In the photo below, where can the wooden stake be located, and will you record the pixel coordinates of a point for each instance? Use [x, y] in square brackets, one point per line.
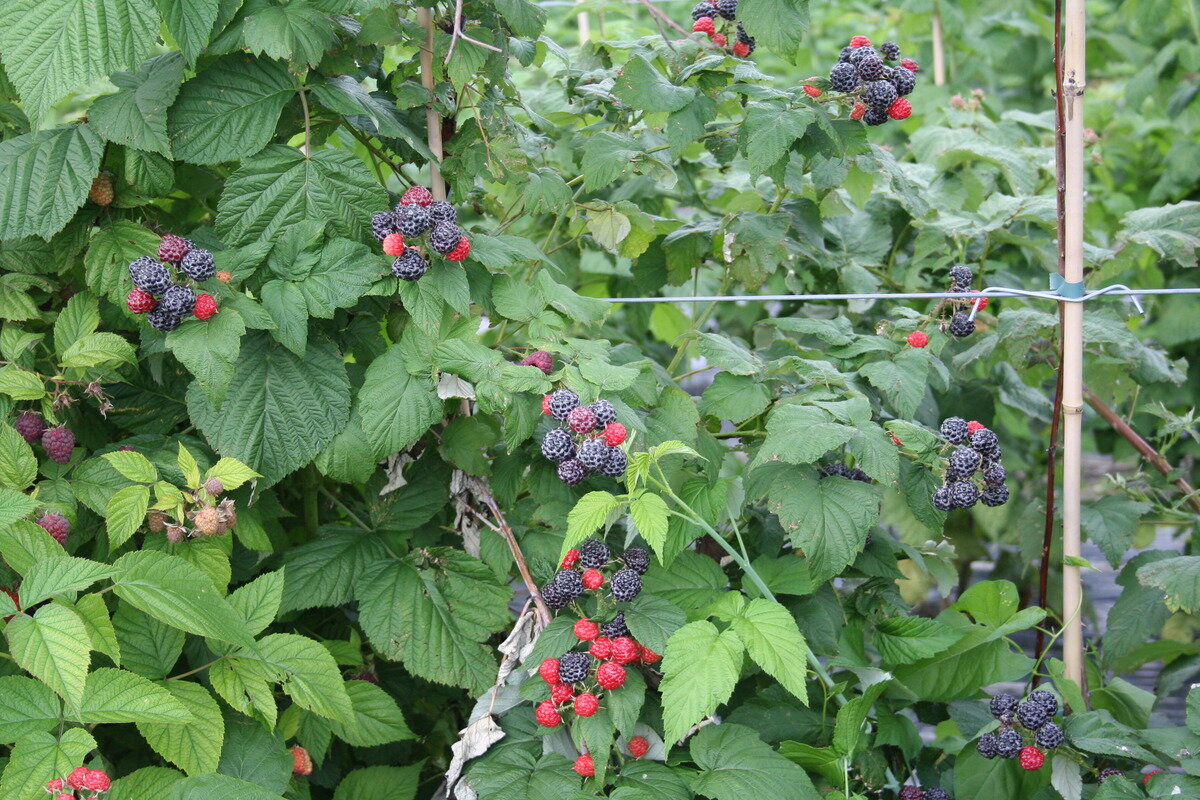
[433, 121]
[939, 51]
[1071, 87]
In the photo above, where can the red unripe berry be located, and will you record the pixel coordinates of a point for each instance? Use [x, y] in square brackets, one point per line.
[910, 65]
[173, 248]
[98, 781]
[57, 526]
[741, 49]
[417, 195]
[549, 671]
[614, 434]
[581, 420]
[55, 785]
[896, 441]
[140, 302]
[78, 778]
[1031, 758]
[601, 647]
[859, 110]
[625, 650]
[584, 766]
[16, 598]
[206, 306]
[547, 715]
[31, 426]
[393, 244]
[900, 108]
[974, 425]
[719, 39]
[586, 704]
[812, 91]
[586, 630]
[546, 407]
[593, 579]
[704, 25]
[859, 41]
[610, 675]
[461, 250]
[983, 301]
[570, 558]
[65, 796]
[638, 746]
[648, 656]
[1146, 778]
[301, 762]
[58, 443]
[561, 693]
[918, 339]
[540, 359]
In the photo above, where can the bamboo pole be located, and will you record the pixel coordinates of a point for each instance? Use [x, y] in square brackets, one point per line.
[433, 121]
[1071, 89]
[939, 50]
[585, 28]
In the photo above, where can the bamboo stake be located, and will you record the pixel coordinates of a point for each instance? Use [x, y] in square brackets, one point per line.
[1071, 87]
[939, 50]
[433, 122]
[585, 28]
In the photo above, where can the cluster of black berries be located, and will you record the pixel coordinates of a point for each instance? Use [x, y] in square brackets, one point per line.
[590, 442]
[980, 455]
[917, 793]
[842, 471]
[416, 215]
[1035, 715]
[705, 16]
[961, 324]
[592, 558]
[879, 86]
[159, 296]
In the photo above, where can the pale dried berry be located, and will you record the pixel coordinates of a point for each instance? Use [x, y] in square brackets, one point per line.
[58, 443]
[557, 445]
[198, 264]
[1003, 705]
[57, 526]
[637, 559]
[987, 746]
[561, 402]
[413, 221]
[616, 628]
[207, 522]
[150, 276]
[605, 412]
[445, 237]
[593, 453]
[954, 430]
[173, 248]
[410, 266]
[163, 320]
[616, 464]
[31, 426]
[581, 420]
[178, 300]
[941, 499]
[1049, 736]
[383, 225]
[594, 554]
[994, 496]
[1008, 743]
[572, 472]
[964, 494]
[963, 463]
[441, 211]
[625, 585]
[574, 667]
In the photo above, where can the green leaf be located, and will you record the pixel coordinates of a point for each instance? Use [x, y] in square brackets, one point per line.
[736, 398]
[327, 570]
[801, 434]
[903, 640]
[377, 718]
[827, 518]
[77, 320]
[136, 116]
[133, 465]
[23, 544]
[1111, 522]
[195, 747]
[107, 259]
[652, 620]
[38, 757]
[258, 601]
[256, 754]
[18, 465]
[148, 647]
[876, 454]
[243, 684]
[103, 637]
[1179, 579]
[296, 32]
[380, 783]
[343, 94]
[996, 779]
[281, 410]
[47, 646]
[770, 131]
[736, 764]
[21, 384]
[649, 513]
[1170, 230]
[26, 706]
[209, 350]
[53, 47]
[515, 772]
[115, 695]
[217, 787]
[143, 783]
[46, 176]
[773, 640]
[639, 85]
[98, 348]
[46, 579]
[191, 23]
[396, 408]
[229, 110]
[167, 588]
[307, 673]
[848, 733]
[903, 380]
[590, 512]
[125, 514]
[188, 466]
[700, 669]
[231, 473]
[280, 187]
[727, 355]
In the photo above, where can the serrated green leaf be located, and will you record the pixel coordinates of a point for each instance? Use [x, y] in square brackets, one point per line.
[26, 706]
[125, 513]
[256, 754]
[191, 22]
[769, 131]
[649, 513]
[45, 176]
[46, 579]
[209, 349]
[307, 673]
[148, 647]
[652, 620]
[115, 695]
[296, 32]
[103, 637]
[78, 319]
[639, 85]
[243, 684]
[38, 757]
[195, 747]
[700, 669]
[143, 783]
[22, 543]
[229, 110]
[903, 640]
[258, 601]
[231, 473]
[326, 571]
[827, 518]
[377, 718]
[515, 772]
[773, 640]
[801, 434]
[589, 513]
[188, 466]
[106, 263]
[98, 348]
[382, 783]
[396, 408]
[735, 764]
[848, 733]
[903, 380]
[218, 787]
[133, 465]
[47, 646]
[18, 465]
[136, 116]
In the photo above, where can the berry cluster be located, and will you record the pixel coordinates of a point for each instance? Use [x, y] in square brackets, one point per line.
[81, 783]
[207, 516]
[841, 470]
[976, 451]
[1035, 716]
[879, 88]
[101, 192]
[961, 324]
[417, 215]
[583, 569]
[166, 298]
[708, 14]
[58, 442]
[590, 442]
[911, 792]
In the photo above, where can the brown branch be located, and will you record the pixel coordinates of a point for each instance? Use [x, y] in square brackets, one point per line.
[656, 12]
[1142, 446]
[457, 33]
[1048, 530]
[544, 615]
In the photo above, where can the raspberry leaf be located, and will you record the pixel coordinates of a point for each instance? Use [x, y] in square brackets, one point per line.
[735, 763]
[18, 465]
[828, 518]
[48, 176]
[396, 408]
[380, 782]
[773, 640]
[700, 669]
[799, 434]
[26, 706]
[377, 720]
[515, 772]
[209, 350]
[296, 32]
[115, 695]
[38, 757]
[640, 85]
[652, 620]
[136, 116]
[57, 576]
[195, 747]
[46, 645]
[190, 22]
[307, 673]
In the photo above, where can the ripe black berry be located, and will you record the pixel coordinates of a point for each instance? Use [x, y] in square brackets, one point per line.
[198, 264]
[572, 472]
[1003, 705]
[857, 54]
[616, 628]
[441, 211]
[985, 442]
[701, 9]
[178, 300]
[1109, 772]
[942, 500]
[963, 463]
[964, 494]
[592, 453]
[445, 237]
[616, 464]
[557, 445]
[561, 403]
[574, 667]
[937, 793]
[903, 80]
[594, 554]
[626, 585]
[987, 745]
[554, 596]
[1032, 715]
[890, 51]
[1049, 736]
[843, 77]
[871, 68]
[163, 320]
[994, 496]
[879, 95]
[961, 325]
[604, 411]
[150, 276]
[383, 224]
[875, 116]
[727, 8]
[569, 582]
[746, 38]
[994, 474]
[410, 266]
[961, 277]
[1009, 743]
[413, 221]
[954, 430]
[637, 559]
[1046, 700]
[838, 470]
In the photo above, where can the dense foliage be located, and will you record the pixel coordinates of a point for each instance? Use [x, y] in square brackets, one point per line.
[292, 524]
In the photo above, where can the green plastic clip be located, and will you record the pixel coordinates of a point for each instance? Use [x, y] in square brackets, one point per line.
[1066, 288]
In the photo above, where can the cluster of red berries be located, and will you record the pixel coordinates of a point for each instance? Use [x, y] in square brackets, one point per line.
[81, 783]
[58, 442]
[879, 88]
[162, 295]
[591, 440]
[708, 14]
[418, 215]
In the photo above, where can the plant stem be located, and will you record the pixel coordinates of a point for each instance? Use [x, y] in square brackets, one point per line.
[307, 124]
[355, 518]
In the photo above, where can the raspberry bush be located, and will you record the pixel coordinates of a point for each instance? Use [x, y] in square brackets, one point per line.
[319, 482]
